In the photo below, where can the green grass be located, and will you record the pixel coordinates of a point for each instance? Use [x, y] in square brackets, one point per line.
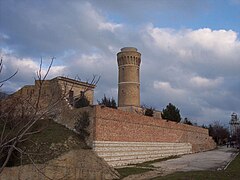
[141, 167]
[231, 173]
[149, 163]
[52, 141]
[124, 172]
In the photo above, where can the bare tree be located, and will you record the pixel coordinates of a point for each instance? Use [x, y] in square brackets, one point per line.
[94, 81]
[238, 138]
[5, 79]
[218, 132]
[18, 116]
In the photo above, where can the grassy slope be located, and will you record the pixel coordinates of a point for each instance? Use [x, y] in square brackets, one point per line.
[53, 140]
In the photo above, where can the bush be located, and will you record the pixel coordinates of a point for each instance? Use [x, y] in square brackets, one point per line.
[149, 112]
[171, 113]
[186, 121]
[82, 124]
[81, 102]
[108, 102]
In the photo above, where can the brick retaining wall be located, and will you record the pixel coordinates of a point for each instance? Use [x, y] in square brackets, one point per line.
[117, 125]
[114, 128]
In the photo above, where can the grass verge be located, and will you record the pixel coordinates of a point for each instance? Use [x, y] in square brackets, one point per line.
[124, 172]
[141, 167]
[149, 163]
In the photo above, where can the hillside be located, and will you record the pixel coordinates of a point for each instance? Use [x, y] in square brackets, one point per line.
[52, 141]
[3, 95]
[58, 153]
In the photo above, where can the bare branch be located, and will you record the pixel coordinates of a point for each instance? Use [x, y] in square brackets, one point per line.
[21, 130]
[8, 78]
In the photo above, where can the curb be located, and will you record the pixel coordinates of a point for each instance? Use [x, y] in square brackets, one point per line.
[230, 161]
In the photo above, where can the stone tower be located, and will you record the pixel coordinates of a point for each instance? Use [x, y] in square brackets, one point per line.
[128, 77]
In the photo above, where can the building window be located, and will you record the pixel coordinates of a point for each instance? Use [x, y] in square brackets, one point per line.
[81, 93]
[71, 97]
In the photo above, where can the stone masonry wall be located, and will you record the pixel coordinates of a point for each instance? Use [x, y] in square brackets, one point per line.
[122, 138]
[69, 116]
[117, 125]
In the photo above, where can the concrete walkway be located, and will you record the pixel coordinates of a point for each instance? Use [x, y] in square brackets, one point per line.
[216, 159]
[210, 160]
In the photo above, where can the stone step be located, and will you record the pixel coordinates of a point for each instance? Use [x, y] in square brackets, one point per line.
[126, 149]
[147, 156]
[123, 153]
[145, 144]
[130, 153]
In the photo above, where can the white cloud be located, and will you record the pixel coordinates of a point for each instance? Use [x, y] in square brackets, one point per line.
[215, 51]
[102, 23]
[193, 68]
[185, 42]
[167, 88]
[221, 42]
[57, 71]
[201, 82]
[26, 68]
[108, 26]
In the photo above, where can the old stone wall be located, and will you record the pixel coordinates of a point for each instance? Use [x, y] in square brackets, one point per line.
[76, 89]
[53, 91]
[69, 116]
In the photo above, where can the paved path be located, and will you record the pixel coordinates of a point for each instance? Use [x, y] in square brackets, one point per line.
[210, 160]
[216, 159]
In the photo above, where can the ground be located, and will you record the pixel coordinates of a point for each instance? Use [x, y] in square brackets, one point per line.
[208, 162]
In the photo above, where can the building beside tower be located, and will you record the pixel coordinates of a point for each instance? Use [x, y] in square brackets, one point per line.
[128, 60]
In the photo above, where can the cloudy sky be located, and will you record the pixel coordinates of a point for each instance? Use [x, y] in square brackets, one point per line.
[190, 48]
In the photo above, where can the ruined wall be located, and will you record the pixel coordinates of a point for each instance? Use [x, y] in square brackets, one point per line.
[76, 88]
[69, 116]
[146, 138]
[53, 91]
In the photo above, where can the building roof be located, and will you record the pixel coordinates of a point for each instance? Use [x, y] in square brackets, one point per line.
[74, 81]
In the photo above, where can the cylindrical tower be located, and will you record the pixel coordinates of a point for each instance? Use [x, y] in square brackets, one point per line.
[128, 77]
